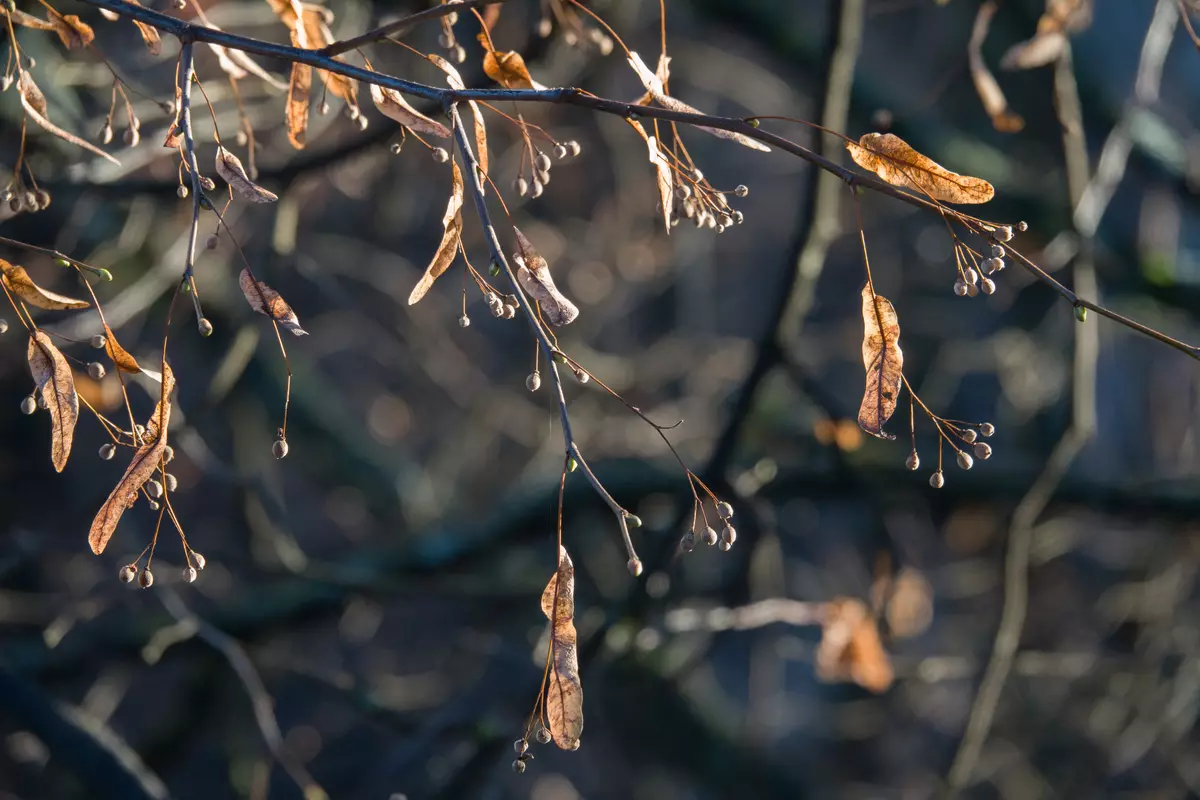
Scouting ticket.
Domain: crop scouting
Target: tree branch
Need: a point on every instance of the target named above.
(402, 26)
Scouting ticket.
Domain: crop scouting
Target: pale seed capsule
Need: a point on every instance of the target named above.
(520, 746)
(742, 190)
(937, 480)
(998, 251)
(96, 370)
(544, 177)
(491, 298)
(534, 381)
(362, 122)
(541, 162)
(154, 489)
(560, 152)
(972, 276)
(965, 461)
(440, 155)
(211, 242)
(728, 535)
(521, 186)
(634, 565)
(132, 136)
(574, 147)
(189, 575)
(987, 429)
(498, 310)
(205, 327)
(172, 482)
(279, 448)
(464, 321)
(518, 766)
(106, 134)
(987, 286)
(724, 510)
(107, 451)
(181, 191)
(323, 108)
(98, 342)
(709, 536)
(960, 288)
(697, 175)
(725, 546)
(1002, 234)
(459, 54)
(43, 199)
(545, 27)
(688, 542)
(983, 451)
(168, 454)
(969, 436)
(28, 405)
(1022, 226)
(738, 217)
(127, 573)
(200, 560)
(582, 376)
(242, 139)
(15, 204)
(446, 40)
(396, 148)
(543, 736)
(537, 189)
(141, 430)
(972, 290)
(3, 326)
(570, 38)
(146, 578)
(991, 265)
(510, 311)
(913, 462)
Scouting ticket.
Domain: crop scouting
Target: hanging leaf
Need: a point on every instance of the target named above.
(266, 301)
(146, 460)
(664, 173)
(564, 692)
(884, 362)
(850, 648)
(1062, 17)
(120, 356)
(452, 222)
(893, 160)
(19, 283)
(507, 69)
(393, 105)
(74, 32)
(534, 275)
(56, 386)
(34, 103)
(299, 90)
(454, 79)
(230, 168)
(990, 94)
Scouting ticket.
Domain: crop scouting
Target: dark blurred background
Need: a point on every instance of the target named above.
(382, 581)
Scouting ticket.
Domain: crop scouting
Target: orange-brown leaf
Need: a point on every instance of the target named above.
(267, 301)
(534, 275)
(850, 648)
(74, 32)
(56, 386)
(452, 223)
(507, 69)
(297, 104)
(893, 160)
(19, 283)
(119, 355)
(26, 20)
(393, 105)
(990, 94)
(564, 691)
(34, 103)
(230, 168)
(454, 79)
(884, 362)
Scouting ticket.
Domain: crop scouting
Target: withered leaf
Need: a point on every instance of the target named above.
(119, 355)
(393, 105)
(299, 88)
(884, 362)
(56, 386)
(507, 69)
(452, 223)
(454, 79)
(265, 300)
(990, 94)
(230, 168)
(145, 461)
(664, 173)
(1060, 18)
(564, 692)
(26, 20)
(74, 32)
(289, 12)
(19, 283)
(534, 275)
(893, 160)
(850, 648)
(34, 103)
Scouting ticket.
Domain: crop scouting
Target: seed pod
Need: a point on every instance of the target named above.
(560, 152)
(987, 286)
(968, 436)
(440, 155)
(98, 342)
(509, 311)
(634, 565)
(3, 326)
(96, 370)
(154, 489)
(543, 177)
(574, 147)
(522, 186)
(987, 429)
(280, 448)
(998, 251)
(199, 560)
(181, 191)
(212, 241)
(913, 462)
(172, 482)
(541, 162)
(43, 199)
(983, 451)
(207, 183)
(742, 190)
(937, 480)
(972, 290)
(518, 766)
(28, 405)
(633, 520)
(1081, 313)
(965, 461)
(991, 265)
(960, 288)
(725, 546)
(687, 542)
(464, 321)
(972, 276)
(106, 134)
(724, 510)
(1002, 234)
(459, 54)
(146, 578)
(534, 381)
(1022, 226)
(543, 736)
(206, 327)
(107, 451)
(189, 575)
(520, 746)
(537, 189)
(168, 454)
(729, 535)
(709, 536)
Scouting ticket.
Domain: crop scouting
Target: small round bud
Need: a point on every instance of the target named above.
(98, 341)
(200, 561)
(971, 276)
(541, 162)
(965, 461)
(212, 241)
(459, 54)
(28, 405)
(107, 451)
(543, 736)
(43, 199)
(988, 286)
(725, 546)
(498, 310)
(687, 542)
(127, 573)
(520, 746)
(991, 265)
(172, 482)
(572, 464)
(440, 155)
(96, 370)
(545, 27)
(1002, 234)
(3, 326)
(242, 139)
(913, 462)
(709, 536)
(154, 489)
(206, 327)
(146, 578)
(181, 191)
(464, 321)
(570, 38)
(983, 451)
(729, 535)
(491, 298)
(582, 376)
(396, 148)
(132, 136)
(280, 448)
(518, 766)
(972, 290)
(493, 270)
(446, 40)
(141, 430)
(189, 575)
(968, 436)
(534, 381)
(987, 429)
(742, 190)
(633, 520)
(960, 288)
(521, 186)
(106, 134)
(724, 510)
(738, 217)
(560, 151)
(634, 565)
(697, 175)
(574, 147)
(998, 251)
(1081, 313)
(1022, 226)
(537, 188)
(168, 454)
(542, 177)
(937, 480)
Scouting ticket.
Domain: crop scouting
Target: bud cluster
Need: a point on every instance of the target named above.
(539, 165)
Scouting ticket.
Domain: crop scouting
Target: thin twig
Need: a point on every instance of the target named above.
(402, 26)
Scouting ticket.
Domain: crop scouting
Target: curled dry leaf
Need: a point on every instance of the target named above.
(393, 105)
(664, 173)
(655, 86)
(893, 160)
(146, 459)
(299, 90)
(119, 355)
(56, 386)
(507, 69)
(990, 94)
(454, 79)
(19, 283)
(74, 32)
(266, 301)
(884, 362)
(452, 223)
(534, 274)
(1062, 17)
(34, 103)
(564, 692)
(850, 648)
(230, 168)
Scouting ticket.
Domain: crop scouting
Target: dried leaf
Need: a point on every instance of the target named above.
(452, 222)
(665, 175)
(990, 94)
(19, 283)
(297, 104)
(393, 105)
(454, 79)
(230, 168)
(534, 275)
(850, 648)
(34, 103)
(145, 461)
(893, 160)
(655, 83)
(149, 33)
(119, 355)
(507, 69)
(265, 300)
(564, 694)
(1042, 49)
(74, 32)
(56, 385)
(289, 12)
(884, 362)
(26, 20)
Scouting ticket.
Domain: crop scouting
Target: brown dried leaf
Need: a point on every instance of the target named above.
(454, 79)
(534, 275)
(665, 175)
(507, 69)
(149, 33)
(119, 355)
(990, 94)
(74, 32)
(850, 648)
(19, 283)
(297, 104)
(56, 386)
(564, 694)
(909, 608)
(266, 301)
(393, 105)
(884, 362)
(893, 160)
(452, 222)
(34, 103)
(230, 168)
(26, 20)
(145, 461)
